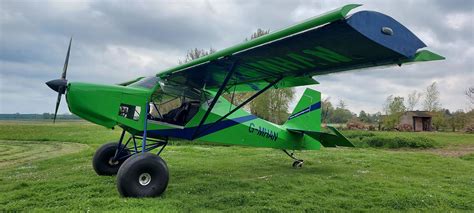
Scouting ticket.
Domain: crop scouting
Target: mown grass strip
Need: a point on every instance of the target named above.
(28, 151)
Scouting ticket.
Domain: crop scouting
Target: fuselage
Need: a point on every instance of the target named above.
(104, 105)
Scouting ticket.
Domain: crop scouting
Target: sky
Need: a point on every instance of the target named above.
(116, 41)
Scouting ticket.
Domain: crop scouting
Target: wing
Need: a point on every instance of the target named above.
(326, 44)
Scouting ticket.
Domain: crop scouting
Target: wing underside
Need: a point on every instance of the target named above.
(364, 39)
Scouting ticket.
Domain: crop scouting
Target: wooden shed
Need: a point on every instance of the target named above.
(416, 120)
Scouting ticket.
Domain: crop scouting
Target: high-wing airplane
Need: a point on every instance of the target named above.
(187, 102)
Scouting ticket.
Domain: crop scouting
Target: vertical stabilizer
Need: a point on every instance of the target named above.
(307, 114)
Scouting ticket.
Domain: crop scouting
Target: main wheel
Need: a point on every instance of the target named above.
(103, 161)
(143, 175)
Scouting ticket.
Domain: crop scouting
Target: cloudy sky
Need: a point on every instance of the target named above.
(115, 41)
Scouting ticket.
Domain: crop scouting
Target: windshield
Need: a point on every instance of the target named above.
(147, 82)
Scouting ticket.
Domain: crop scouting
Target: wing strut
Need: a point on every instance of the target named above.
(216, 97)
(243, 104)
(224, 84)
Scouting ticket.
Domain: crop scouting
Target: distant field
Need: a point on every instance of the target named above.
(48, 167)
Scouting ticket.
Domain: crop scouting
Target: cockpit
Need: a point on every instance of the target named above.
(170, 103)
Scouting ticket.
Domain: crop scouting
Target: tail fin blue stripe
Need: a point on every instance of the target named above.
(313, 107)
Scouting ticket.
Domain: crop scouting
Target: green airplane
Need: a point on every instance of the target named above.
(186, 101)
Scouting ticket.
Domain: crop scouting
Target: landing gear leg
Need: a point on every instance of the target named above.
(298, 163)
(144, 174)
(109, 157)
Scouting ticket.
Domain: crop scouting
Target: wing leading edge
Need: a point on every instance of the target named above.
(326, 44)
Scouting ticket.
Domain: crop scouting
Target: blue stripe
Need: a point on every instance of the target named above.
(306, 110)
(187, 133)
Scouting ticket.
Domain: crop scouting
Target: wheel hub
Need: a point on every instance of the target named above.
(113, 162)
(144, 179)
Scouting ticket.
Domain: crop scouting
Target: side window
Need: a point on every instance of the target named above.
(130, 111)
(166, 106)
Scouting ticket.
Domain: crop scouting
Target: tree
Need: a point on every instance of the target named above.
(457, 120)
(377, 118)
(394, 109)
(397, 105)
(196, 53)
(432, 102)
(469, 126)
(341, 104)
(341, 114)
(470, 94)
(364, 117)
(327, 110)
(413, 100)
(386, 105)
(47, 116)
(438, 119)
(272, 105)
(258, 33)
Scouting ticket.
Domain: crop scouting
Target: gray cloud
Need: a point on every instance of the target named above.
(115, 41)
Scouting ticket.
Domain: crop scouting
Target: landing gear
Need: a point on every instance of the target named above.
(104, 161)
(139, 172)
(143, 175)
(298, 163)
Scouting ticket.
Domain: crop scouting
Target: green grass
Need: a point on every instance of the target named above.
(383, 139)
(369, 139)
(217, 178)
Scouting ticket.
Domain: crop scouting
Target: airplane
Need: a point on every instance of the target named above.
(187, 101)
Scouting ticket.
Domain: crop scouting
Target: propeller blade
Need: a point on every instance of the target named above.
(57, 107)
(63, 76)
(60, 85)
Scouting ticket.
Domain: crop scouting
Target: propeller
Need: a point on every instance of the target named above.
(60, 85)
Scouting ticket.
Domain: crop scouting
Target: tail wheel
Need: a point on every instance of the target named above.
(143, 175)
(103, 161)
(298, 163)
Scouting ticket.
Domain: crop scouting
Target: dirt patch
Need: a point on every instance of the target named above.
(453, 151)
(19, 152)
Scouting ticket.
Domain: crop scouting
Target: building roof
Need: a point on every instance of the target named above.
(425, 114)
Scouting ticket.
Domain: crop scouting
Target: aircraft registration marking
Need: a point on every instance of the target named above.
(263, 132)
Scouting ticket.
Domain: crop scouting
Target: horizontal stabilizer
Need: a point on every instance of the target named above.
(327, 139)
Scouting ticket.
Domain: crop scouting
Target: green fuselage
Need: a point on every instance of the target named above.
(100, 104)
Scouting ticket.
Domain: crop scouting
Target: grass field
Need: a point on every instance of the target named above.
(48, 167)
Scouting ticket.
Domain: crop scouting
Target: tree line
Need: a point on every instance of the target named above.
(442, 119)
(396, 106)
(45, 116)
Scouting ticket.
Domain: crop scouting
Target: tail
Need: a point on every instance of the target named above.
(306, 119)
(307, 114)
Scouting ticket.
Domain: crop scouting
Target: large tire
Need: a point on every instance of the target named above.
(102, 161)
(143, 175)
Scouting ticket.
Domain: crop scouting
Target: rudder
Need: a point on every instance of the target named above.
(307, 114)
